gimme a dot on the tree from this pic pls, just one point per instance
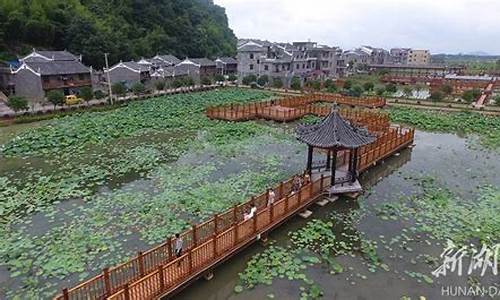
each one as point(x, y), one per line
point(86, 94)
point(247, 80)
point(99, 94)
point(206, 80)
point(263, 80)
point(332, 88)
point(56, 97)
point(328, 83)
point(348, 84)
point(447, 89)
point(277, 83)
point(138, 88)
point(391, 88)
point(232, 77)
point(497, 100)
point(468, 96)
point(368, 86)
point(17, 103)
point(407, 91)
point(119, 89)
point(160, 85)
point(219, 78)
point(188, 81)
point(295, 84)
point(476, 93)
point(437, 96)
point(356, 91)
point(380, 91)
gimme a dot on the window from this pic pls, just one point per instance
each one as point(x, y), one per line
point(298, 66)
point(251, 55)
point(266, 68)
point(303, 66)
point(258, 61)
point(251, 67)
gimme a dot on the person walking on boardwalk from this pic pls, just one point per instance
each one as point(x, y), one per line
point(271, 197)
point(295, 184)
point(253, 211)
point(178, 247)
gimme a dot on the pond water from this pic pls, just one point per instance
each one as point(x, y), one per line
point(162, 186)
point(444, 156)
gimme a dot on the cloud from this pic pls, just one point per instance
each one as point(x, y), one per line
point(440, 25)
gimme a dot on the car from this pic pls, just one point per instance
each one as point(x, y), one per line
point(72, 100)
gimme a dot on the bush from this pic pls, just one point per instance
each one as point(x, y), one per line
point(263, 80)
point(86, 93)
point(348, 84)
point(219, 78)
point(138, 88)
point(17, 103)
point(295, 84)
point(160, 85)
point(368, 86)
point(188, 81)
point(447, 89)
point(407, 91)
point(247, 80)
point(232, 77)
point(55, 97)
point(380, 91)
point(329, 83)
point(118, 89)
point(356, 91)
point(177, 83)
point(331, 89)
point(277, 83)
point(315, 85)
point(437, 96)
point(391, 88)
point(206, 80)
point(99, 94)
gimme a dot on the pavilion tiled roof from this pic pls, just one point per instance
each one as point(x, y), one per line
point(333, 131)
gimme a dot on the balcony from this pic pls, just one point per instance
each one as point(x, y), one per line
point(61, 84)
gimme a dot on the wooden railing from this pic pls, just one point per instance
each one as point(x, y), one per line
point(157, 271)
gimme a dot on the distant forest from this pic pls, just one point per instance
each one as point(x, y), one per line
point(126, 29)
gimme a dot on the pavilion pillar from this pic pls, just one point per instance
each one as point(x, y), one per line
point(354, 165)
point(309, 160)
point(334, 167)
point(328, 159)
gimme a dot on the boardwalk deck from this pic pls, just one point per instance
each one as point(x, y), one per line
point(158, 272)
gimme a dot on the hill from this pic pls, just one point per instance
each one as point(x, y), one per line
point(126, 29)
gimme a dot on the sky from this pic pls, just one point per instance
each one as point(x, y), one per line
point(443, 26)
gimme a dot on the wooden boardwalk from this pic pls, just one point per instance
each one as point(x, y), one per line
point(157, 272)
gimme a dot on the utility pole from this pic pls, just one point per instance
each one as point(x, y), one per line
point(107, 77)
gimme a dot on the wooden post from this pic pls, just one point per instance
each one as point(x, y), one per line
point(190, 257)
point(107, 282)
point(355, 165)
point(162, 280)
point(215, 245)
point(321, 182)
point(299, 195)
point(254, 222)
point(195, 242)
point(328, 160)
point(309, 159)
point(126, 293)
point(65, 294)
point(216, 227)
point(140, 259)
point(169, 246)
point(281, 190)
point(334, 167)
point(286, 204)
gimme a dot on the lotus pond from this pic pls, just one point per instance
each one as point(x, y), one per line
point(90, 190)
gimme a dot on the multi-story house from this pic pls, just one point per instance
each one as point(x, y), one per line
point(418, 57)
point(43, 71)
point(226, 65)
point(128, 73)
point(399, 55)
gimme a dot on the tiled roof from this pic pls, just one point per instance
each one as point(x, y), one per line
point(38, 56)
point(58, 67)
point(204, 62)
point(334, 131)
point(228, 60)
point(174, 60)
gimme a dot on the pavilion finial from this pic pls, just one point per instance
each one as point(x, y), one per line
point(335, 107)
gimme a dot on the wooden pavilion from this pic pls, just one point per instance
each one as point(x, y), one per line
point(334, 134)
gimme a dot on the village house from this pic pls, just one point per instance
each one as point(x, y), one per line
point(197, 68)
point(128, 73)
point(43, 71)
point(226, 65)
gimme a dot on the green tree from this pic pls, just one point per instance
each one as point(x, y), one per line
point(295, 84)
point(138, 88)
point(263, 80)
point(380, 91)
point(188, 81)
point(98, 94)
point(177, 83)
point(476, 93)
point(247, 80)
point(206, 80)
point(437, 96)
point(232, 78)
point(86, 94)
point(219, 78)
point(160, 85)
point(56, 97)
point(328, 83)
point(368, 86)
point(348, 84)
point(332, 88)
point(391, 88)
point(119, 89)
point(356, 91)
point(468, 96)
point(497, 100)
point(17, 103)
point(277, 83)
